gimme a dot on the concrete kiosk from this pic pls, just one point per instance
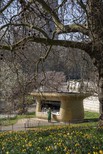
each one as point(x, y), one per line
point(71, 105)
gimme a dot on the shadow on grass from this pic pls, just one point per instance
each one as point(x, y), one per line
point(91, 120)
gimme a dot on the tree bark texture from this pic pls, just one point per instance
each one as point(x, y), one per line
point(95, 24)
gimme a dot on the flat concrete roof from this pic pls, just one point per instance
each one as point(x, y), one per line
point(60, 94)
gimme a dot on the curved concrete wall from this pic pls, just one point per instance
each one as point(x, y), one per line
point(71, 109)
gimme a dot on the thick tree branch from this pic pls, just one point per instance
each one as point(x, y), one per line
point(53, 14)
point(62, 3)
point(26, 25)
point(64, 43)
point(6, 6)
point(74, 28)
point(83, 6)
point(5, 47)
point(60, 28)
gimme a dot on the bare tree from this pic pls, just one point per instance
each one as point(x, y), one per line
point(80, 22)
point(15, 84)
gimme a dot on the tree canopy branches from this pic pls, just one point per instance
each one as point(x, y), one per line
point(40, 18)
point(30, 22)
point(6, 6)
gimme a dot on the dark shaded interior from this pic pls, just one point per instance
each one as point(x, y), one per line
point(54, 105)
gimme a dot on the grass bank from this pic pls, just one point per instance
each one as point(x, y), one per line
point(9, 121)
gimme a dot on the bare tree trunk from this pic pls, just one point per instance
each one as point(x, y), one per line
point(100, 94)
point(23, 105)
point(95, 23)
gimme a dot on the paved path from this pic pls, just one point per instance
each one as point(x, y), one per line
point(24, 124)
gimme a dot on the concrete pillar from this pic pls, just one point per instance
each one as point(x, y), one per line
point(38, 105)
point(71, 109)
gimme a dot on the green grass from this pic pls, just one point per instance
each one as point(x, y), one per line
point(28, 115)
point(11, 121)
point(90, 120)
point(8, 121)
point(90, 115)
